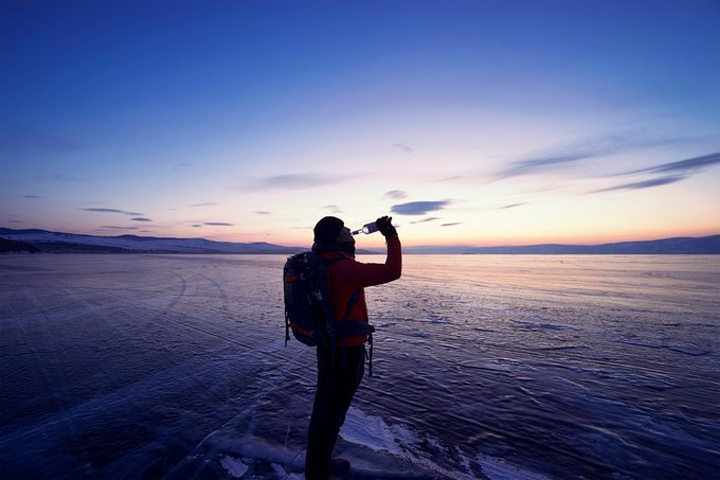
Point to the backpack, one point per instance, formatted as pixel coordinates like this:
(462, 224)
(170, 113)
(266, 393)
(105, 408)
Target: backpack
(308, 307)
(309, 311)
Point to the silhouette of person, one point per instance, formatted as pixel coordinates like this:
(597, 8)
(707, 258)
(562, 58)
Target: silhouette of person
(340, 372)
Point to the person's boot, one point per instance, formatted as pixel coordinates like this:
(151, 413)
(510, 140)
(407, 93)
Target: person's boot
(339, 467)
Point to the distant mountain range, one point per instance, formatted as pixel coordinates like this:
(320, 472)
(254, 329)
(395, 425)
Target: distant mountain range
(678, 245)
(56, 242)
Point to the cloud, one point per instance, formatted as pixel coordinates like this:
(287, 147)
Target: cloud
(419, 208)
(585, 149)
(33, 196)
(690, 166)
(49, 142)
(332, 208)
(404, 147)
(513, 205)
(395, 194)
(654, 182)
(206, 204)
(262, 212)
(425, 220)
(451, 224)
(110, 227)
(297, 181)
(218, 224)
(57, 177)
(141, 219)
(670, 172)
(525, 167)
(110, 210)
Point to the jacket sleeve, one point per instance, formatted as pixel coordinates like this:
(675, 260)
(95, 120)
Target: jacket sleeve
(368, 274)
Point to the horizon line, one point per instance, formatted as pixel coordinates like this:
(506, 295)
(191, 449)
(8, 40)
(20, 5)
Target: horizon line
(422, 246)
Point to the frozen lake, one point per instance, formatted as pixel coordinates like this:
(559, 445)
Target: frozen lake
(500, 367)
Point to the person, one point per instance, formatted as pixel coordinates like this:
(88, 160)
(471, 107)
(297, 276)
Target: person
(340, 372)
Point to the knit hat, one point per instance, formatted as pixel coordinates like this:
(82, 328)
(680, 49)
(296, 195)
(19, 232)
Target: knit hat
(328, 229)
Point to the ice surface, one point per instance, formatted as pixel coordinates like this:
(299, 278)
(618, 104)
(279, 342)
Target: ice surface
(162, 366)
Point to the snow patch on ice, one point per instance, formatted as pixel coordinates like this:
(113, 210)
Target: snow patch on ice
(496, 469)
(235, 467)
(372, 432)
(278, 469)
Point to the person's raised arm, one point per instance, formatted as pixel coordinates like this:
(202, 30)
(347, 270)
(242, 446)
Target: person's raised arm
(394, 253)
(369, 274)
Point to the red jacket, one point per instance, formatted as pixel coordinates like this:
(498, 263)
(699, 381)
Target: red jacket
(348, 275)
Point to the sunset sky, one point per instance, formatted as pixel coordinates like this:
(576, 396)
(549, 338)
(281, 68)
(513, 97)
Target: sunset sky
(470, 122)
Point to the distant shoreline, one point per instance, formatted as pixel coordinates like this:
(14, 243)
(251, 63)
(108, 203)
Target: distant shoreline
(41, 241)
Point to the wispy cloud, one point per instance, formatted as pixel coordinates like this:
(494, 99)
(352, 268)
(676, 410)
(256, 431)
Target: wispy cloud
(205, 204)
(112, 227)
(513, 205)
(585, 149)
(111, 210)
(58, 177)
(141, 219)
(691, 166)
(33, 196)
(404, 147)
(525, 167)
(218, 224)
(262, 212)
(425, 220)
(451, 224)
(671, 172)
(419, 208)
(332, 209)
(15, 139)
(395, 195)
(297, 181)
(654, 182)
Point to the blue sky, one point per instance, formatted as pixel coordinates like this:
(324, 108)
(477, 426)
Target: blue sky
(482, 122)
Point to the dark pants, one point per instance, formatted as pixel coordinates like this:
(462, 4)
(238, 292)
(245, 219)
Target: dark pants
(336, 386)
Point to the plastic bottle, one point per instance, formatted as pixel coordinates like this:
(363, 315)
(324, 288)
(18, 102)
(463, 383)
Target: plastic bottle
(367, 229)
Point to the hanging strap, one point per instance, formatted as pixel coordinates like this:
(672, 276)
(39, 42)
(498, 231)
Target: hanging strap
(370, 343)
(287, 327)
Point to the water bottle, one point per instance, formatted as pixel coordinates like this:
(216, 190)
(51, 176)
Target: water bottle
(367, 229)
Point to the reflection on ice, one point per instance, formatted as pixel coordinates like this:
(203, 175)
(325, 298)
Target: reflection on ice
(503, 367)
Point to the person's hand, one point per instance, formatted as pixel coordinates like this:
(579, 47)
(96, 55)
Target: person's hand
(385, 226)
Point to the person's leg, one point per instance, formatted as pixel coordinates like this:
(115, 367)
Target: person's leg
(348, 381)
(319, 446)
(336, 387)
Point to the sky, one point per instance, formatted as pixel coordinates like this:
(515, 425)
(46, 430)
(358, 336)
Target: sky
(469, 122)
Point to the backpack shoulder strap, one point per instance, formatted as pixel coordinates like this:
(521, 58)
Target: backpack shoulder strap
(351, 303)
(356, 294)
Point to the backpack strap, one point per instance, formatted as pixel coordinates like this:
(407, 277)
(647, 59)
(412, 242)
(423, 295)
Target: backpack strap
(353, 298)
(351, 303)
